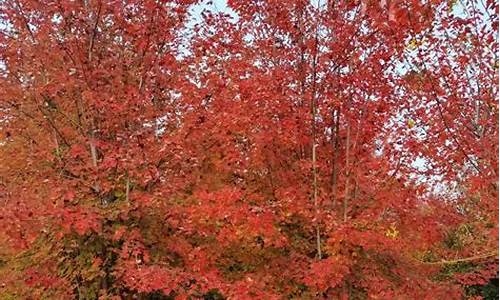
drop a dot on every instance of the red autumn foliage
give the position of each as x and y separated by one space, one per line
269 150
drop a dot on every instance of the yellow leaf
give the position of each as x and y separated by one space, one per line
413 44
392 232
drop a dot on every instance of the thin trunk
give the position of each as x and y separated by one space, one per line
477 119
127 189
348 173
140 84
335 139
94 32
56 141
93 153
313 149
315 199
354 147
356 188
93 150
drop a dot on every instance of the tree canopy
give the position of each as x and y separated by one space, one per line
340 149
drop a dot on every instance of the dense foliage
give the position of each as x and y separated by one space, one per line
267 149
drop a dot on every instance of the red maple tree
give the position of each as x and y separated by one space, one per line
285 150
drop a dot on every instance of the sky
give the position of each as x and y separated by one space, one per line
215 6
